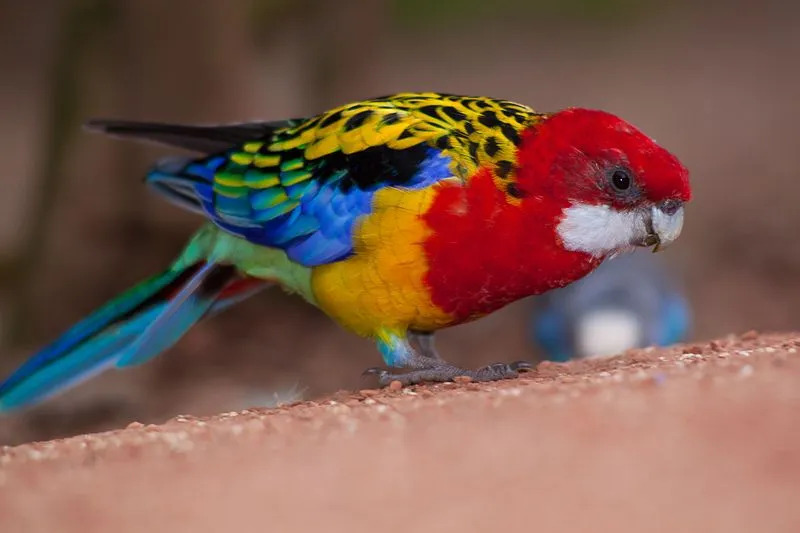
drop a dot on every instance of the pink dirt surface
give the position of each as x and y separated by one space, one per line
692 438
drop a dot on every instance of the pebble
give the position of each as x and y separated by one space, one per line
368 392
641 356
135 425
693 350
545 365
395 385
749 335
462 379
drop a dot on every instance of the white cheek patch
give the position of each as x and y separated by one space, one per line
599 229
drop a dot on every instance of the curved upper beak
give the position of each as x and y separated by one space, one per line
665 224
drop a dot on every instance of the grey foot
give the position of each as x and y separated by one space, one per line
440 371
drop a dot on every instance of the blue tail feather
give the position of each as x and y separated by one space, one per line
188 306
82 363
130 329
90 326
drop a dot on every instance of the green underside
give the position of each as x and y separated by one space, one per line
213 244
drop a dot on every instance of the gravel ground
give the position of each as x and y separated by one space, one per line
692 438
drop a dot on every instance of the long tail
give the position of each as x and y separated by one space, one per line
132 328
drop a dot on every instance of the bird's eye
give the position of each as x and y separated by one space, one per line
621 179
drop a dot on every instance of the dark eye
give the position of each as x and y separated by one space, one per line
621 179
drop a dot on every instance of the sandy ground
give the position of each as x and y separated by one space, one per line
692 438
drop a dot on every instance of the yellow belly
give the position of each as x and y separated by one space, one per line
381 287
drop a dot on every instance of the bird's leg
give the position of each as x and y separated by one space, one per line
424 364
425 344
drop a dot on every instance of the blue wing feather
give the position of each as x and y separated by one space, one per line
312 219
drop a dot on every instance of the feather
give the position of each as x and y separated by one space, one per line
83 348
130 329
328 167
204 139
183 309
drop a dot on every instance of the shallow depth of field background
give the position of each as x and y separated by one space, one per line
717 83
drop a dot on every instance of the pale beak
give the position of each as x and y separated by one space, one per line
666 223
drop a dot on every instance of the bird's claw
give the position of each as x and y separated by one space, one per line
497 371
523 366
381 373
440 372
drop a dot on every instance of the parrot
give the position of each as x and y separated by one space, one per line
629 302
396 216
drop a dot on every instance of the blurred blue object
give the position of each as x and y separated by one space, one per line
628 302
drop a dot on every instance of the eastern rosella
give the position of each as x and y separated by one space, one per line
630 302
396 216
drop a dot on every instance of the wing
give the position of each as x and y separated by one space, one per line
474 131
301 185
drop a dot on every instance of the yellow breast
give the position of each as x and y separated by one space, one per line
381 287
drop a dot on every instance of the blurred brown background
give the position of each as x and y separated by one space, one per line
717 83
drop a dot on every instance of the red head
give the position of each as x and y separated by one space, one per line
616 186
588 185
